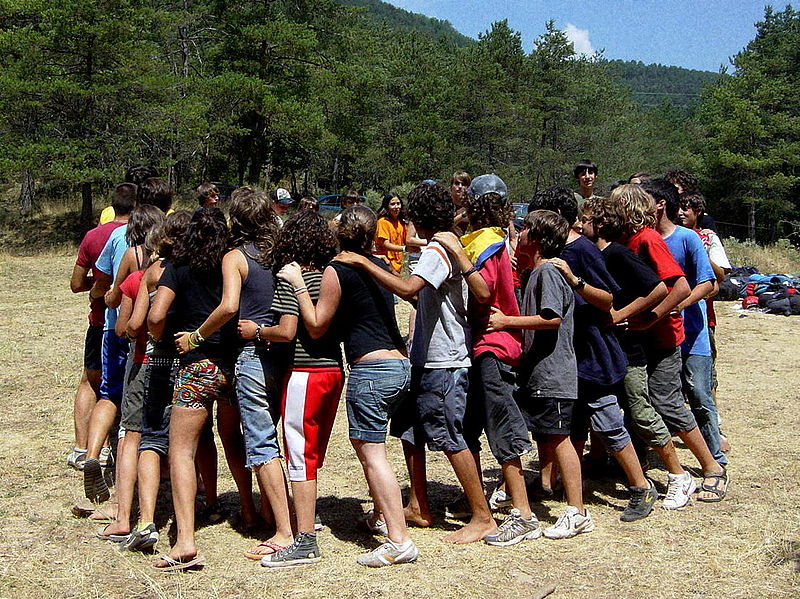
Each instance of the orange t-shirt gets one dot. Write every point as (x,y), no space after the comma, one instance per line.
(393,232)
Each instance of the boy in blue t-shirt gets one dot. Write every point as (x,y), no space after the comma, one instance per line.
(548,381)
(687,248)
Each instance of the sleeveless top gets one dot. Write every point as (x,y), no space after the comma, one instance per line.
(365,315)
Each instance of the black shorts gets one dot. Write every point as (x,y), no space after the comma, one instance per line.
(93,348)
(548,416)
(491,407)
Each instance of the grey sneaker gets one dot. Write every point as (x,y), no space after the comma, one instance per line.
(458,509)
(389,554)
(513,530)
(571,523)
(142,539)
(76,458)
(374,525)
(640,504)
(302,552)
(499,500)
(317,523)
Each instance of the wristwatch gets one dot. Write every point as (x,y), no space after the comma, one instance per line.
(579,285)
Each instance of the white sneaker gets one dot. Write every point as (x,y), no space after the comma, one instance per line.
(389,554)
(571,523)
(499,500)
(76,458)
(105,456)
(679,491)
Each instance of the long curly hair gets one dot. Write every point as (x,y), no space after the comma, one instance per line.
(253,221)
(488,210)
(204,244)
(638,208)
(430,206)
(306,238)
(356,230)
(163,240)
(142,219)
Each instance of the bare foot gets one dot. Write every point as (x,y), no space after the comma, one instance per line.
(417,518)
(474,531)
(724,444)
(268,547)
(109,513)
(116,528)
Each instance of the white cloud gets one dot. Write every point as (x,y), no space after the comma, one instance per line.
(579,39)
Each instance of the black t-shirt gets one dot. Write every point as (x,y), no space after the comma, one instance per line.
(636,280)
(600,358)
(365,316)
(195,298)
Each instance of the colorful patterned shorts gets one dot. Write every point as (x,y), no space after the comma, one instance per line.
(202,383)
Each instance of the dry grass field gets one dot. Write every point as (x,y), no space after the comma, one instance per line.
(745,547)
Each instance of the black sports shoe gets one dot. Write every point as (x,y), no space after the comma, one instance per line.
(640,504)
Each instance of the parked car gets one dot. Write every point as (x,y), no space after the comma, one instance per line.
(520,212)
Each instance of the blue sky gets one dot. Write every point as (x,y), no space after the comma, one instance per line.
(699,34)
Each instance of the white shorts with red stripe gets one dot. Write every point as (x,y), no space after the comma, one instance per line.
(309,404)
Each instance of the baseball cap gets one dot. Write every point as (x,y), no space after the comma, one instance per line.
(490,183)
(283,197)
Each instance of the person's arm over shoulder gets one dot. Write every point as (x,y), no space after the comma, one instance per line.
(552,308)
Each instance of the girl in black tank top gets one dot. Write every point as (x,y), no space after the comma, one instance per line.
(363,315)
(248,287)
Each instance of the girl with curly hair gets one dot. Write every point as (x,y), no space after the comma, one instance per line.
(192,285)
(248,286)
(363,313)
(315,380)
(390,235)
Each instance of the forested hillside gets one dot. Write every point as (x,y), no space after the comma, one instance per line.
(393,17)
(312,95)
(651,84)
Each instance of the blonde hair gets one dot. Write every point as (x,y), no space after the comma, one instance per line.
(638,208)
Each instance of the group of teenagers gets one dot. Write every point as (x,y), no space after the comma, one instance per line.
(591,317)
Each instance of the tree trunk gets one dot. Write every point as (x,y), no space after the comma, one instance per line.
(86,205)
(751,223)
(26,193)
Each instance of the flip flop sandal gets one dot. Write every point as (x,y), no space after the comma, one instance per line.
(116,538)
(274,547)
(178,565)
(94,485)
(720,479)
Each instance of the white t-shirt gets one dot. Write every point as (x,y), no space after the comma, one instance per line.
(441,334)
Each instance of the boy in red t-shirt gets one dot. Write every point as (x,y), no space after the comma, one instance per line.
(491,404)
(666,334)
(82,279)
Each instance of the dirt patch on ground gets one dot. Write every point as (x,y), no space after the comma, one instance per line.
(744,547)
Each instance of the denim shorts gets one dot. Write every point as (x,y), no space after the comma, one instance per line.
(259,397)
(374,390)
(441,395)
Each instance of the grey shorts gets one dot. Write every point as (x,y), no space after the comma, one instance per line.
(441,403)
(491,407)
(133,398)
(597,408)
(664,384)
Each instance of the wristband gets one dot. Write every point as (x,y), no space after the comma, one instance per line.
(198,336)
(472,270)
(300,290)
(191,341)
(258,333)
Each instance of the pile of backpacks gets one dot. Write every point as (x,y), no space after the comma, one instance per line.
(771,293)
